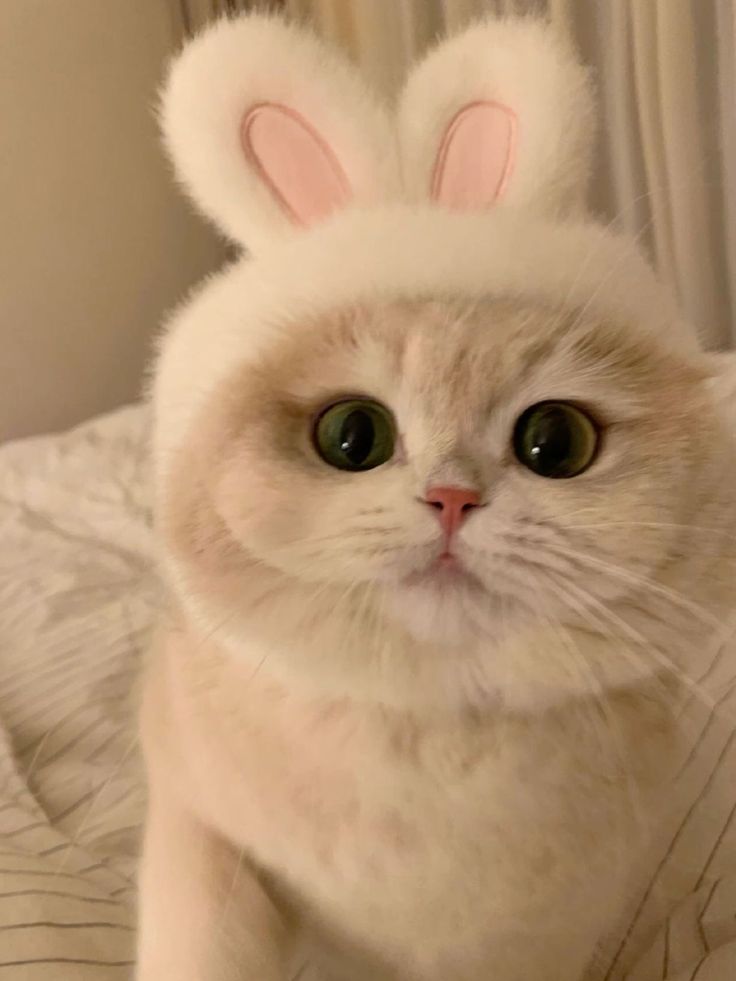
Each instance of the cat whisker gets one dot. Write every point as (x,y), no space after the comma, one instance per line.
(614,625)
(600,701)
(649,651)
(639,581)
(656,526)
(342,535)
(355,615)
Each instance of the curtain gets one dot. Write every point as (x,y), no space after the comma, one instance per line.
(194,14)
(665,73)
(664,70)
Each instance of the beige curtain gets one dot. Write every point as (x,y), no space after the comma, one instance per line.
(194,14)
(384,35)
(668,141)
(667,160)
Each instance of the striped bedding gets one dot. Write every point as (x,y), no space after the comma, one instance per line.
(77,598)
(76,601)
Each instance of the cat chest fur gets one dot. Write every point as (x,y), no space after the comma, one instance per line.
(381,821)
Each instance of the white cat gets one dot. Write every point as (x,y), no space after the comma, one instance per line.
(435,473)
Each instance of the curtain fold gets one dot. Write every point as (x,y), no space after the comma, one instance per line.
(723,177)
(674,132)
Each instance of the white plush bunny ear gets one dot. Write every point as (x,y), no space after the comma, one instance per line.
(269,130)
(500,113)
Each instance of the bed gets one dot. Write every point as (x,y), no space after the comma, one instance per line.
(77,599)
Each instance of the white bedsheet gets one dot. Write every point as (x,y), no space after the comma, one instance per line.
(77,598)
(76,601)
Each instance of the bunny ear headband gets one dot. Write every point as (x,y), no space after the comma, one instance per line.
(270,130)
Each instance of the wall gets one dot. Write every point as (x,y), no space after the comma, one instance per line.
(95,242)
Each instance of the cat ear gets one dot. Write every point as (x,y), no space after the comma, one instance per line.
(500,113)
(269,130)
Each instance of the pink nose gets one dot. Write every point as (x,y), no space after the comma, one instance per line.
(453,504)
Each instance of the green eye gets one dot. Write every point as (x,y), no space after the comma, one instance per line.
(555,439)
(355,435)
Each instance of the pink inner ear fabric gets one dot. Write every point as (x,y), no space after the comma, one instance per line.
(476,157)
(300,169)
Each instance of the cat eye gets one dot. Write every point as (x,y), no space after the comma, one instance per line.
(555,439)
(358,434)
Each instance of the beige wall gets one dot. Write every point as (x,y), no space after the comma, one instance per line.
(94,240)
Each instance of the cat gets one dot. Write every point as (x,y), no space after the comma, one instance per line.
(447,521)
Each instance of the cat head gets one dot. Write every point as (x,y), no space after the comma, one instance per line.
(435,409)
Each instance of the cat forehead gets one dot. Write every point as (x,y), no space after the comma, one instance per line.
(423,343)
(446,360)
(431,350)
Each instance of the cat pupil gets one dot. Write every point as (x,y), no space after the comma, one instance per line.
(356,436)
(551,439)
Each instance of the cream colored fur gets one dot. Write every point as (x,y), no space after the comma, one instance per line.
(350,758)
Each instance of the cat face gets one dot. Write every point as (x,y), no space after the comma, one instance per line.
(447,472)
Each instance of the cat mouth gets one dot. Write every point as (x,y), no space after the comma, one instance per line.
(449,562)
(446,570)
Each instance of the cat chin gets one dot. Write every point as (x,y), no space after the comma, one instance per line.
(446,606)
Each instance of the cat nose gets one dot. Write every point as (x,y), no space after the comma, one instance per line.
(453,505)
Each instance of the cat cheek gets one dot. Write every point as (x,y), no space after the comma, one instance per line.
(253,500)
